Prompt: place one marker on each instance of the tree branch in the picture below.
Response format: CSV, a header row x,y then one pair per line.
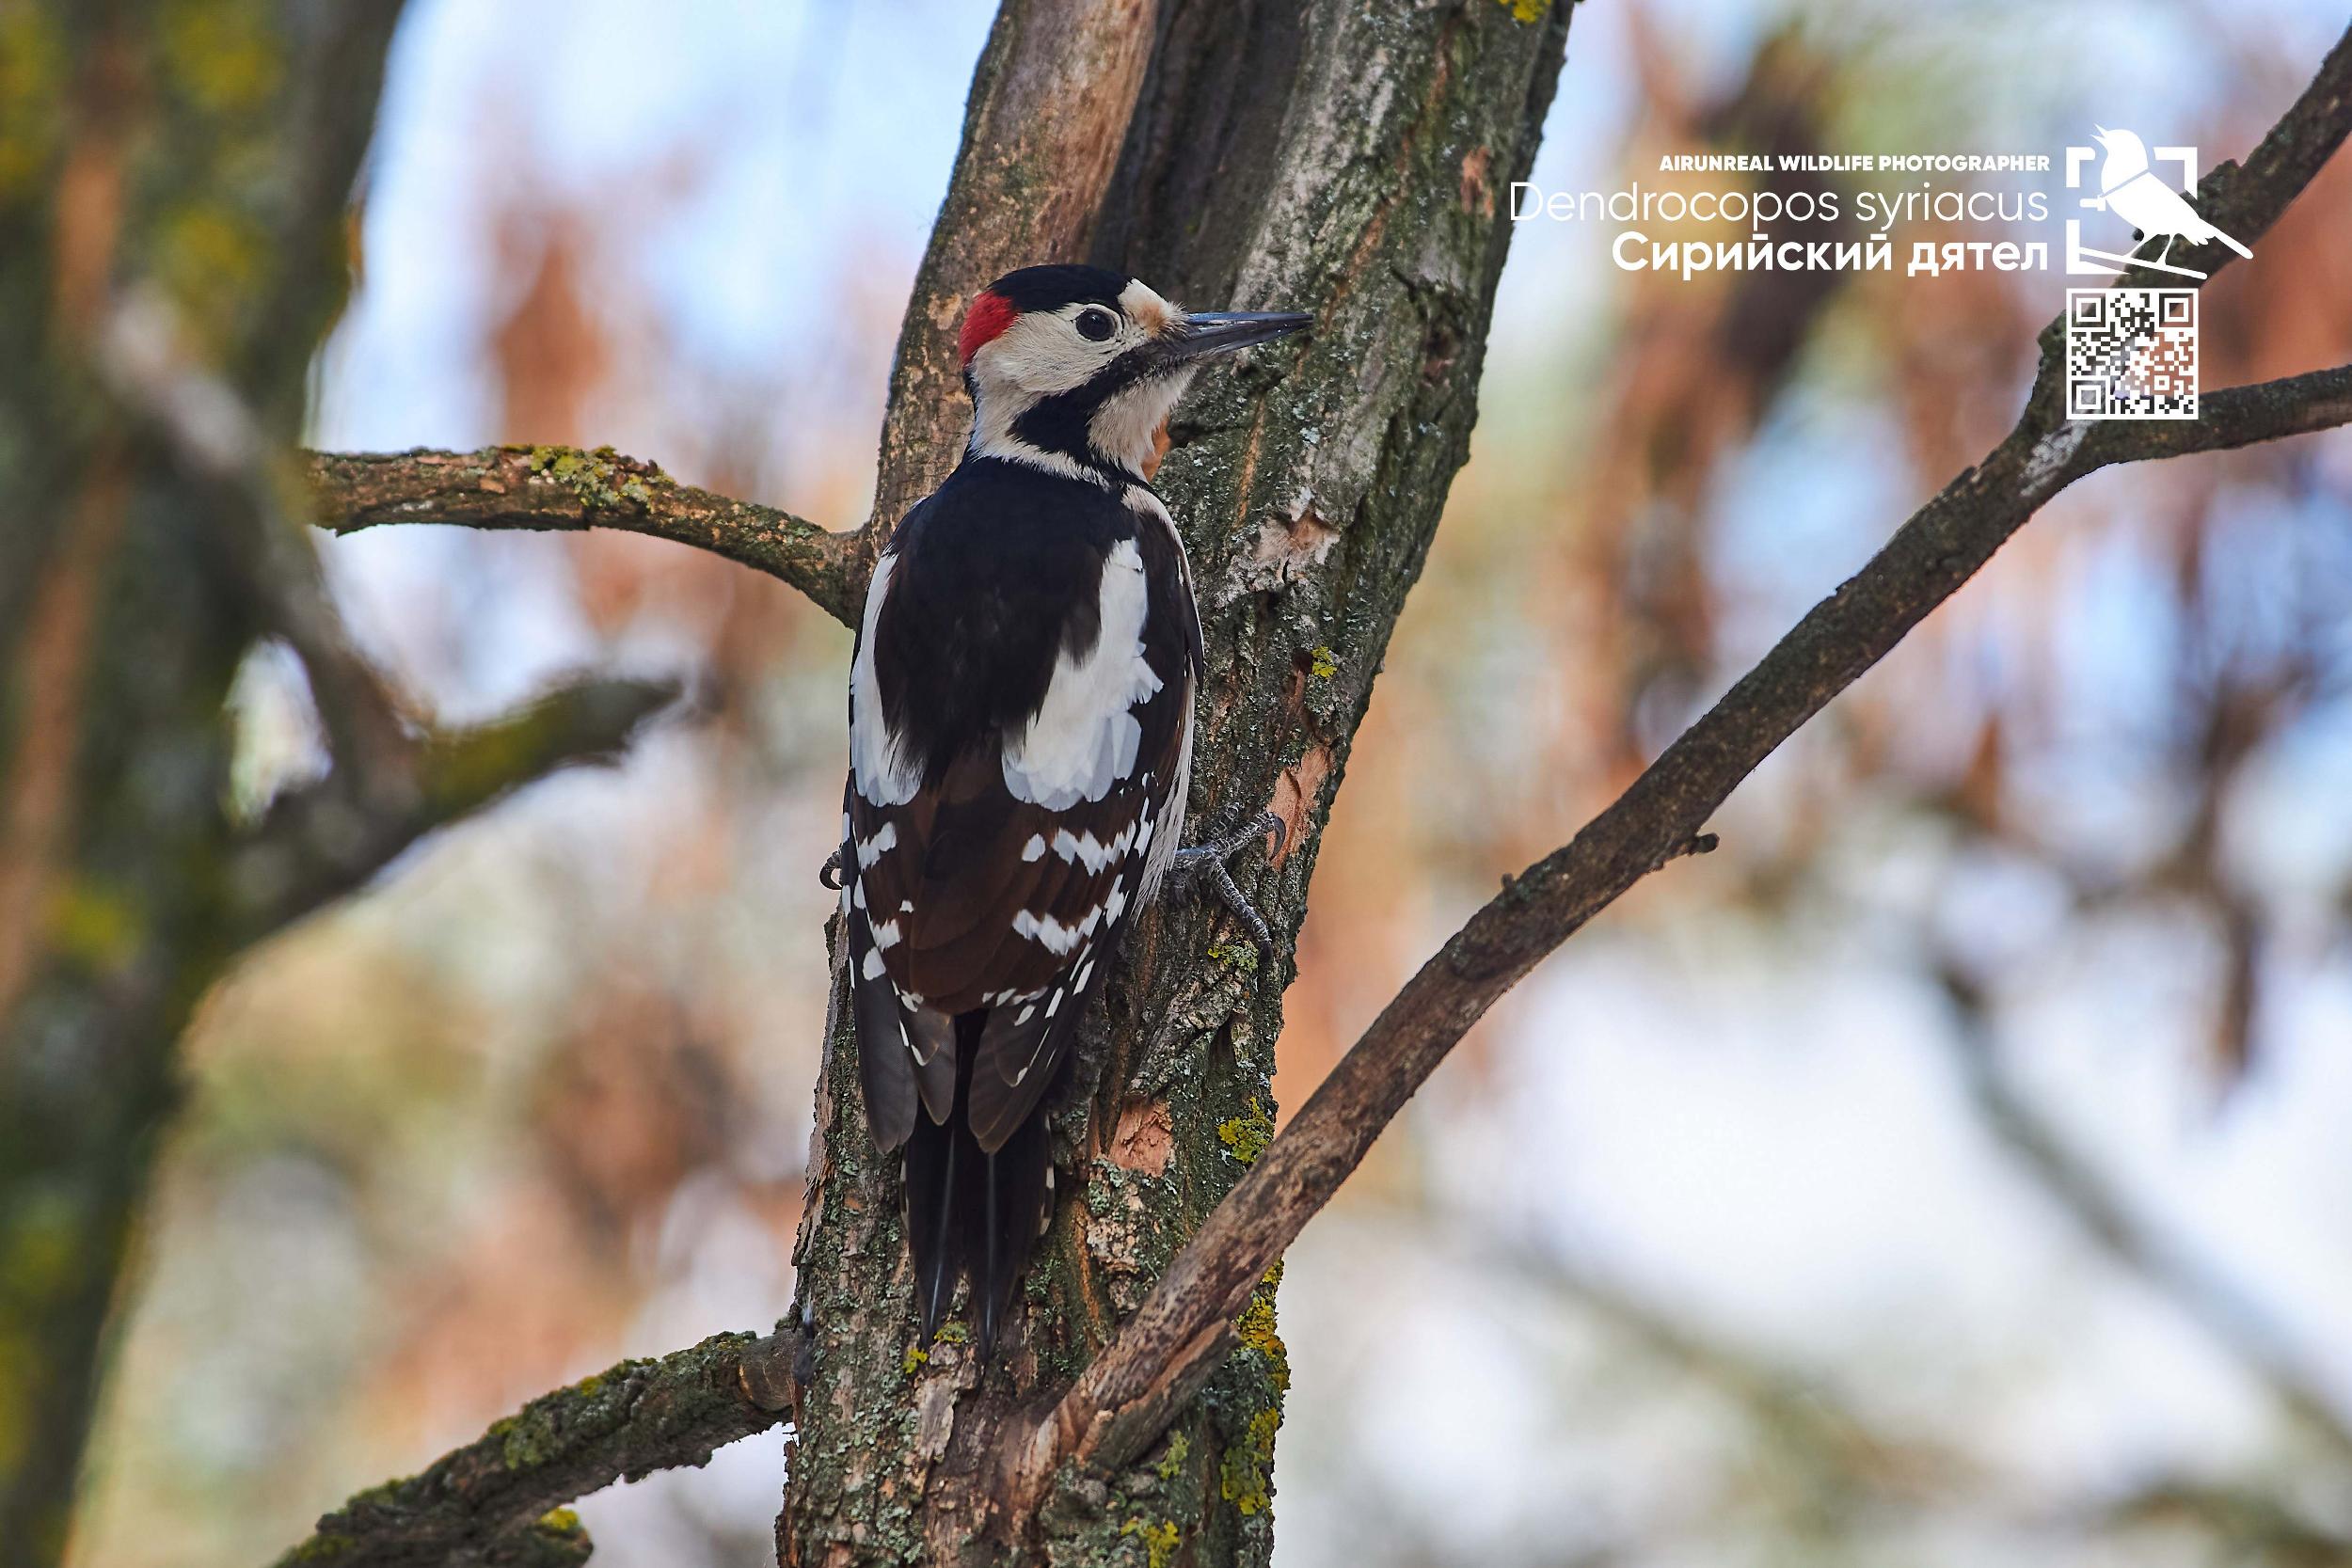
x,y
488,1502
564,488
316,844
1183,1330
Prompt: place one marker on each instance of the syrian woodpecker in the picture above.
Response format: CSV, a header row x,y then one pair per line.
x,y
1020,742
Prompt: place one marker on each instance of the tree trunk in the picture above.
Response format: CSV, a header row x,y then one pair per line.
x,y
119,632
1315,155
174,192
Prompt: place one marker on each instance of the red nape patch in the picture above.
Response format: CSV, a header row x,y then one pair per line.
x,y
990,314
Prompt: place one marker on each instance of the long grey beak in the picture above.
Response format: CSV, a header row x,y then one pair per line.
x,y
1219,331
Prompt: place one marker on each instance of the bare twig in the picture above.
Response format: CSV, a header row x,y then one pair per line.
x,y
393,781
487,1502
1182,1332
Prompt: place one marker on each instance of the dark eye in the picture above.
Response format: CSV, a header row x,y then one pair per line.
x,y
1096,325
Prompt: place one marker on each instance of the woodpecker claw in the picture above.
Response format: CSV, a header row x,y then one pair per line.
x,y
1206,860
831,873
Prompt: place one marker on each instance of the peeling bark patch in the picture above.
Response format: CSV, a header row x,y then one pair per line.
x,y
1144,1139
1295,793
934,1416
1477,195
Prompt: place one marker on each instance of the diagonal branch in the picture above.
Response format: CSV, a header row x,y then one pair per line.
x,y
484,1503
1183,1330
321,841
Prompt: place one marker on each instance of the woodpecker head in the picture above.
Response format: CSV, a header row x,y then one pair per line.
x,y
1074,368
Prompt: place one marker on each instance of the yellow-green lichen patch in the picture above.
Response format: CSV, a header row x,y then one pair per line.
x,y
1256,1329
1242,955
1172,1463
602,477
917,1357
1247,1473
1160,1540
1245,1137
1526,11
1326,663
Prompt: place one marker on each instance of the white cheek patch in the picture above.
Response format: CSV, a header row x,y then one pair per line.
x,y
1084,736
883,773
1127,426
1039,355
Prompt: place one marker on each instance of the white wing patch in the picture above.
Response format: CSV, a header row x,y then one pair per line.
x,y
883,773
1084,736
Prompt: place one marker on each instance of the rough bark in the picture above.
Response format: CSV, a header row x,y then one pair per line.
x,y
496,1501
1354,167
172,245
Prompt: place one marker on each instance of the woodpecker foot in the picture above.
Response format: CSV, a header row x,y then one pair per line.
x,y
1205,862
831,873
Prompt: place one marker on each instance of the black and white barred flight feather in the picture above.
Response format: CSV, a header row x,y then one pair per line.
x,y
1021,732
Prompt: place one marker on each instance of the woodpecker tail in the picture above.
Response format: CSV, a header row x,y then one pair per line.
x,y
970,1213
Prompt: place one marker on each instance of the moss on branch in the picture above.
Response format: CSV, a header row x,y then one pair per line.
x,y
497,1502
566,488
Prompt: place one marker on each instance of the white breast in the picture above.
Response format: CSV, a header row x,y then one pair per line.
x,y
1082,740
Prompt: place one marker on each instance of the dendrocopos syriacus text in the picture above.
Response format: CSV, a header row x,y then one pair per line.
x,y
1019,743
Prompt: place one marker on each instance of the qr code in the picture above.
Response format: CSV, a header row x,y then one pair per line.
x,y
2131,354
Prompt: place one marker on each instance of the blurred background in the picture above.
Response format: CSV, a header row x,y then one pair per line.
x,y
1955,1168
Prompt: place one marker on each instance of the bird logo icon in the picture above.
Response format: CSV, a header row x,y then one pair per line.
x,y
2132,190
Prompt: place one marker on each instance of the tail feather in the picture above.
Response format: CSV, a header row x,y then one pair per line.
x,y
970,1213
935,1158
1015,1212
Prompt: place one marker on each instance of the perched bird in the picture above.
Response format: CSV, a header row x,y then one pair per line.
x,y
1020,742
2138,195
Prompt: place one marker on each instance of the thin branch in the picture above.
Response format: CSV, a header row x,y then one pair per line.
x,y
487,1503
218,443
319,843
562,489
392,781
1182,1332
